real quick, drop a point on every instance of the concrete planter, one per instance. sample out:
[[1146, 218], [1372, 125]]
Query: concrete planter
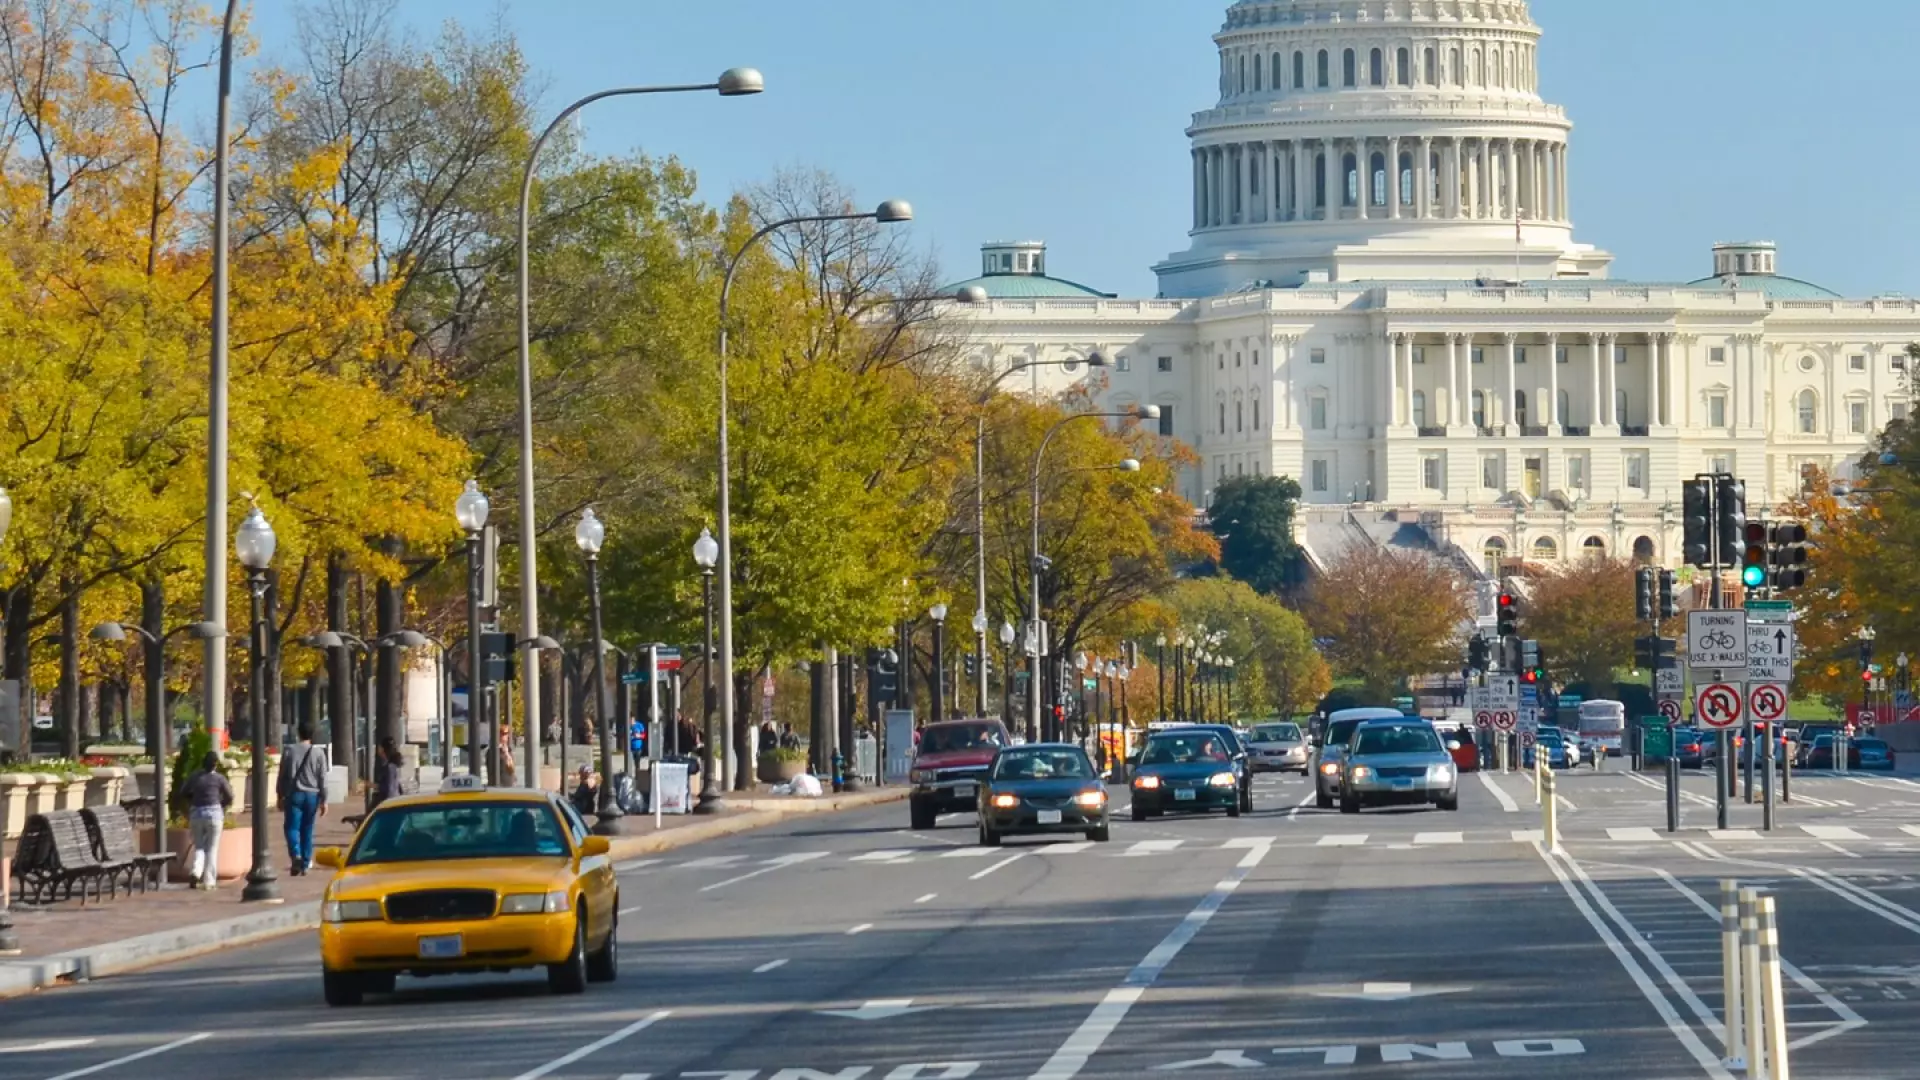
[[235, 856], [106, 785], [71, 793], [43, 796], [774, 771], [143, 780], [14, 789]]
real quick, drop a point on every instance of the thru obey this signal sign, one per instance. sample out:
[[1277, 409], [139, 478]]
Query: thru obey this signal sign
[[1718, 705], [1768, 702]]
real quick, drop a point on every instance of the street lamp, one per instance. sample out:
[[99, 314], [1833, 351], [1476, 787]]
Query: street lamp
[[254, 544], [734, 82], [890, 212], [589, 535], [1160, 673], [706, 551], [1039, 563], [1228, 696], [10, 941], [980, 652], [938, 613], [470, 509], [214, 582], [1007, 634]]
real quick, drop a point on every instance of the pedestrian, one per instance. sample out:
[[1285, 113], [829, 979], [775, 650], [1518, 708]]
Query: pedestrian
[[586, 797], [386, 773], [788, 740], [690, 744], [208, 795], [506, 764], [302, 789]]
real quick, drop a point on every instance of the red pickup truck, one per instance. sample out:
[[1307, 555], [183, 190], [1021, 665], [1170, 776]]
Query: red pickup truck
[[949, 760]]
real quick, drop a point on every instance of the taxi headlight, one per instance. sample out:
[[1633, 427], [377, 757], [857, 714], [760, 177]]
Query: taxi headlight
[[1331, 768], [1361, 772], [550, 903], [1222, 779], [1005, 801], [1146, 781], [1091, 798], [339, 911]]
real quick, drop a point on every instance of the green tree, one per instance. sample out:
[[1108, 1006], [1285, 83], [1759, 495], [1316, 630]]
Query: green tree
[[1386, 615], [1252, 517], [1278, 670], [1582, 614]]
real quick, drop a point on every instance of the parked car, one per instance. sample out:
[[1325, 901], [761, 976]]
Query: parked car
[[1397, 761], [949, 762]]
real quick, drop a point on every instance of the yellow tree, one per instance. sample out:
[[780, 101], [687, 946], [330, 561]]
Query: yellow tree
[[1582, 614], [1387, 615]]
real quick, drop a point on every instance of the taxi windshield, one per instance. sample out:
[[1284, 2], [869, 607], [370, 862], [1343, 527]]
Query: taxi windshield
[[458, 830]]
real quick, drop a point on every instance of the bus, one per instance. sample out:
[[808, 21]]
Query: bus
[[1602, 726]]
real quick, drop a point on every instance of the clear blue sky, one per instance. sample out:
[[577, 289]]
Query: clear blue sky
[[1061, 120]]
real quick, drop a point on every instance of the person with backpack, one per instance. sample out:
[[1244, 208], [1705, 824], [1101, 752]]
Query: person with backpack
[[302, 790], [207, 795]]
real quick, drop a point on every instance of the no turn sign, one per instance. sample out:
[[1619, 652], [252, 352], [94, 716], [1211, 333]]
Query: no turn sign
[[1718, 705], [1768, 702], [1504, 719], [1670, 711], [1483, 719]]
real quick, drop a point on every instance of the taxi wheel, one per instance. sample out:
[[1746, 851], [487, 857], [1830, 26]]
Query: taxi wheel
[[603, 965], [570, 975], [340, 988]]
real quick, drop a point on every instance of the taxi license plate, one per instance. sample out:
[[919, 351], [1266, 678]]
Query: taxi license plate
[[442, 947], [1047, 817], [1184, 795]]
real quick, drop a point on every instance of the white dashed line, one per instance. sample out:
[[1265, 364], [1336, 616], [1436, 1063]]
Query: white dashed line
[[1505, 800], [926, 898], [769, 966], [977, 875], [861, 929]]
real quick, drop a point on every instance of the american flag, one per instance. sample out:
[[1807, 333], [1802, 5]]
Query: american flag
[[1517, 238]]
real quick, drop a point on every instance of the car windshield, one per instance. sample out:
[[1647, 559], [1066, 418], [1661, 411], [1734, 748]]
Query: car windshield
[[459, 830], [1549, 737], [941, 740], [1824, 740], [1340, 731], [1396, 739], [1052, 763], [1277, 733], [1184, 749]]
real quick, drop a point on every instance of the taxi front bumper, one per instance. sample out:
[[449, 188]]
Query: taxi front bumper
[[501, 943]]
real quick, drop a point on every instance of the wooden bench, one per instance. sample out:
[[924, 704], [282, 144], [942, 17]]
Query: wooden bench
[[115, 844], [55, 854]]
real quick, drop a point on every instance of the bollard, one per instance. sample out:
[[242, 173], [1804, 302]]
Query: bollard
[[1766, 784], [1751, 1002], [1539, 774], [1776, 1008], [1786, 774], [1549, 810], [1730, 986], [1673, 793]]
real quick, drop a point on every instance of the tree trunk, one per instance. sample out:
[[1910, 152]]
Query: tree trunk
[[108, 711], [340, 694], [387, 668], [69, 700]]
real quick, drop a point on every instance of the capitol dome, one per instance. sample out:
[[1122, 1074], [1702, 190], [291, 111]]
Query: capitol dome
[[1378, 140]]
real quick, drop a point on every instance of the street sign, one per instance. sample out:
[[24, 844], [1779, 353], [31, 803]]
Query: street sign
[[1718, 705], [1526, 738], [1670, 711], [1668, 684], [1504, 692], [1758, 607], [1656, 741], [1504, 719], [1770, 652], [1767, 701], [1717, 638], [1482, 719]]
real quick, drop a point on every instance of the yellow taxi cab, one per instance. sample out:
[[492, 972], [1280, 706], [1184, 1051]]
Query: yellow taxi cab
[[469, 879]]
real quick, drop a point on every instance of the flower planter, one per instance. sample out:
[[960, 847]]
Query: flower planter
[[14, 789], [776, 771], [143, 779], [71, 793], [106, 785], [235, 856], [43, 795]]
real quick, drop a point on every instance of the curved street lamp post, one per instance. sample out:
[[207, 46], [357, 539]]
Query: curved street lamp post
[[590, 534], [254, 544], [706, 552]]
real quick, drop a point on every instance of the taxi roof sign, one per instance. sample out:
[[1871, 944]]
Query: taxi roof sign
[[459, 782]]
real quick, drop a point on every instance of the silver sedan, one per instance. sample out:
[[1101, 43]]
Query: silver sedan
[[1398, 761]]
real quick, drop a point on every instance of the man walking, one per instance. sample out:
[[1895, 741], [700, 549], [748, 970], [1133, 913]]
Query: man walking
[[302, 790]]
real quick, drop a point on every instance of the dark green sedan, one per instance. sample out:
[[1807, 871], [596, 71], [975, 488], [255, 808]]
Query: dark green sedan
[[1042, 788], [1185, 770]]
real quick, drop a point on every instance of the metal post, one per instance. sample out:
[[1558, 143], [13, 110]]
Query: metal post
[[214, 581], [1753, 751], [1786, 774], [262, 882], [1733, 1016], [1673, 791], [476, 663], [980, 559], [608, 811], [1722, 775], [1160, 675], [939, 668], [710, 770], [1549, 806], [1753, 1026], [153, 614], [1766, 781], [1775, 1000]]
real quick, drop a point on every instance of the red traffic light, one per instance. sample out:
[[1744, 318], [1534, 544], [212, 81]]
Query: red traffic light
[[1866, 676], [1506, 600]]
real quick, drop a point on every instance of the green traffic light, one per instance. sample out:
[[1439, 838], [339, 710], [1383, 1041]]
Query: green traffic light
[[1753, 576]]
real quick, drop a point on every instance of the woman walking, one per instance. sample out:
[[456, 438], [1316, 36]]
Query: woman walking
[[208, 795]]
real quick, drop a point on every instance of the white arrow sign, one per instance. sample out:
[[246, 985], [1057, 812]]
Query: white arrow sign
[[1392, 991], [883, 1009]]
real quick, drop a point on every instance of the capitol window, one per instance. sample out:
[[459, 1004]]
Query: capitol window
[[1419, 408], [1223, 418], [1317, 413], [1807, 405], [1619, 354], [1480, 408], [1317, 356], [1637, 471], [1577, 471], [1317, 474], [1453, 64], [1347, 68], [1545, 550], [1717, 410], [1239, 416], [1432, 473], [1375, 73], [1123, 363], [1273, 80], [1404, 68], [1519, 354], [1857, 417], [1419, 354], [1323, 69], [1166, 421], [1857, 362], [1717, 354], [1898, 361], [1433, 75], [1166, 363], [1559, 354], [1299, 70], [1256, 414], [1479, 355], [1491, 468], [1897, 412]]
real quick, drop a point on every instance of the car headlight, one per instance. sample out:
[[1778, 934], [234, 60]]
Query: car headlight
[[1091, 798], [1330, 768], [1005, 802], [919, 776], [341, 911], [1361, 772], [549, 903], [1223, 779], [1146, 781], [1440, 773]]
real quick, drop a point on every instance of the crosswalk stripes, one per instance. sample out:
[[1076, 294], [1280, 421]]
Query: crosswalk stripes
[[966, 853], [713, 862], [1154, 847], [1342, 840], [1064, 849], [885, 855], [1910, 830], [1438, 838], [1637, 833], [1832, 832]]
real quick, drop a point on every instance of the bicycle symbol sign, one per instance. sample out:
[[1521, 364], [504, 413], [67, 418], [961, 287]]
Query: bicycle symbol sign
[[1718, 705], [1717, 638], [1768, 702]]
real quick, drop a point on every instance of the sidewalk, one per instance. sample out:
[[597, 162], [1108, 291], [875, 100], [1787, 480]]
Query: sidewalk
[[66, 943]]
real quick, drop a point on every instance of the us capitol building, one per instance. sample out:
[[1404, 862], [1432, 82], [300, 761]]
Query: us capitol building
[[1383, 299]]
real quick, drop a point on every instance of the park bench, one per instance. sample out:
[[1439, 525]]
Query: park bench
[[54, 855], [115, 844]]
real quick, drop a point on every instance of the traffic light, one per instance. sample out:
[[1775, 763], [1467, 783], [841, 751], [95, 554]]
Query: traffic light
[[1730, 510], [1866, 657], [497, 655], [1507, 615], [1789, 555], [884, 667], [1696, 501], [1667, 608], [1754, 555], [972, 665], [1643, 593], [1477, 653], [1651, 653]]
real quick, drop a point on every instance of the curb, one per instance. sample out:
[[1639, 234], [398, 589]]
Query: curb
[[23, 976]]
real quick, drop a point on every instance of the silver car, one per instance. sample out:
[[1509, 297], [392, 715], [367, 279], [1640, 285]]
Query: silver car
[[1277, 747], [1397, 761], [1332, 743]]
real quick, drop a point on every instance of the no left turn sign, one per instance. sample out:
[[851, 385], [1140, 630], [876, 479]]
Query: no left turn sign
[[1670, 710], [1504, 719], [1718, 705], [1768, 702]]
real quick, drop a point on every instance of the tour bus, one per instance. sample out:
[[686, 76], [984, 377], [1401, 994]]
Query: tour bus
[[1603, 725]]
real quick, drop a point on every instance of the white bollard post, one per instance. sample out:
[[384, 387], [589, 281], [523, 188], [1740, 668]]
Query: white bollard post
[[1776, 1010], [1751, 1000], [659, 811], [1539, 770], [1732, 1045], [1550, 811]]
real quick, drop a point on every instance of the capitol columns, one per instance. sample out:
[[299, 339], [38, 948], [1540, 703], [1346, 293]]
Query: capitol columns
[[1656, 357], [1677, 403], [1393, 177], [1285, 379], [1456, 399], [1509, 414], [1554, 419]]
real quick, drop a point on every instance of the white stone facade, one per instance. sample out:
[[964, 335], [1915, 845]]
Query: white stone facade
[[1410, 362]]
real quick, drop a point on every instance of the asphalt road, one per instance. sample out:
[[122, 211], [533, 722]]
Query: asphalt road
[[1301, 942]]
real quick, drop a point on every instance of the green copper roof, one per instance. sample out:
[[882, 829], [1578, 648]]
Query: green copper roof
[[1028, 287], [1774, 286]]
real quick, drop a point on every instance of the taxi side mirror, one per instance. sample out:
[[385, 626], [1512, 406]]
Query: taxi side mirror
[[595, 845], [328, 857]]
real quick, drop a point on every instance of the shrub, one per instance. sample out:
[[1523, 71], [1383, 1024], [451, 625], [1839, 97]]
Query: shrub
[[782, 755], [192, 749]]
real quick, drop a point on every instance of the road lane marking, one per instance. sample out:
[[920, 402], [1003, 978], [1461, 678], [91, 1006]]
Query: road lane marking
[[45, 1046], [1016, 857], [1152, 847], [630, 910], [966, 853], [926, 898], [1733, 834], [884, 855], [1505, 800], [780, 862], [1866, 899], [1439, 838], [635, 864], [1831, 846], [593, 1047], [1528, 836], [1087, 1039], [1306, 801], [770, 965], [1832, 832], [713, 862], [150, 1051], [1342, 840], [1910, 830], [1064, 849], [1638, 832], [861, 929]]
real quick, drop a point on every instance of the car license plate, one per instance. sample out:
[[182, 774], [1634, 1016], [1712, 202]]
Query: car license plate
[[1184, 794], [1048, 817], [1403, 783], [442, 947], [964, 787]]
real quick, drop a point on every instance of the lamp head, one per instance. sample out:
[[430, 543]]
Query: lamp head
[[938, 612], [980, 622], [970, 294], [470, 509], [1006, 633], [1129, 465], [1147, 412], [706, 550], [893, 211], [542, 643], [409, 639], [325, 639], [255, 542], [590, 533], [108, 631], [207, 631], [740, 82]]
